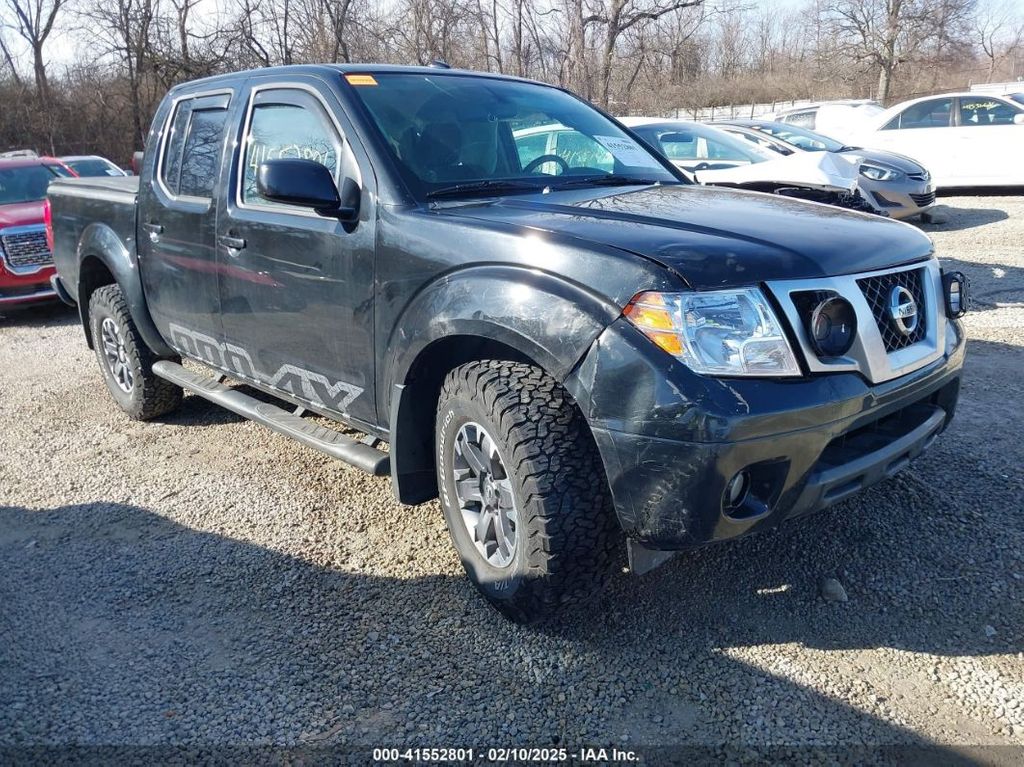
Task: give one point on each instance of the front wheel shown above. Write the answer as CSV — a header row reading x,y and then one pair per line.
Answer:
x,y
523,489
125,360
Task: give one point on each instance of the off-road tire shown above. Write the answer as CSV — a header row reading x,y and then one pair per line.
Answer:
x,y
568,539
150,396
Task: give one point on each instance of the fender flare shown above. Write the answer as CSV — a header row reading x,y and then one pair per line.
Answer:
x,y
540,317
100,241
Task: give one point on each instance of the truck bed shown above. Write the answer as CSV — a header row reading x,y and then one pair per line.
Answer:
x,y
105,206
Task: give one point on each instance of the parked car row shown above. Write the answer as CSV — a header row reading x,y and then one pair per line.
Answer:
x,y
783,159
821,170
886,161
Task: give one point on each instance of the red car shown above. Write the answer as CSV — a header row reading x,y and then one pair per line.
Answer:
x,y
26,263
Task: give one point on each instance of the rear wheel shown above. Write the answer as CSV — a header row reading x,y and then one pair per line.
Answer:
x,y
523,489
125,360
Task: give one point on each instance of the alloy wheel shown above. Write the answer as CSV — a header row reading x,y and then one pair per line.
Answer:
x,y
485,495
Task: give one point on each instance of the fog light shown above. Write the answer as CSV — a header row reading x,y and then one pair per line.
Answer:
x,y
833,327
954,286
736,490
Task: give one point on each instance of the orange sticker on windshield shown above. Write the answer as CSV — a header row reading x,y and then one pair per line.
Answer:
x,y
360,80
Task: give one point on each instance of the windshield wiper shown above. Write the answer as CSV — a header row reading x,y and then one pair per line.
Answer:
x,y
488,187
611,179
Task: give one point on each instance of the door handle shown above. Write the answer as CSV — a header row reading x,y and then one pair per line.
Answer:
x,y
155,230
231,243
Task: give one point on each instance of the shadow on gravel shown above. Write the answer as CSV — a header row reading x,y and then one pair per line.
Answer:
x,y
53,314
122,627
989,191
990,285
959,219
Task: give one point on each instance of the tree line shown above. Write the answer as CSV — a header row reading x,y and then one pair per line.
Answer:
x,y
629,56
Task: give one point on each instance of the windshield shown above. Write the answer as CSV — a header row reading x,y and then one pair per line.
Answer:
x,y
1018,97
689,145
94,167
480,135
26,184
801,138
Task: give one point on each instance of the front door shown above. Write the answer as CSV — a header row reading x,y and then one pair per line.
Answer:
x,y
177,223
296,288
924,132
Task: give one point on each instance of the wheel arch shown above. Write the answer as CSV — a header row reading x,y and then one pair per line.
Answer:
x,y
484,312
103,260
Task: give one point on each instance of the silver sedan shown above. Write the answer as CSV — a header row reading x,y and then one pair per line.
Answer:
x,y
892,183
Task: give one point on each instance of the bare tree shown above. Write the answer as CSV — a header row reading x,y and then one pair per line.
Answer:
x,y
882,33
34,23
999,30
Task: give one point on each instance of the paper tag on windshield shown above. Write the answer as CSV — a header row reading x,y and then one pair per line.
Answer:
x,y
628,152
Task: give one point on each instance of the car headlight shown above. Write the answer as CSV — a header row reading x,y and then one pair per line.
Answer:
x,y
721,332
879,173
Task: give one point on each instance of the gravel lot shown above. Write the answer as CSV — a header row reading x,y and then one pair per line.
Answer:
x,y
205,581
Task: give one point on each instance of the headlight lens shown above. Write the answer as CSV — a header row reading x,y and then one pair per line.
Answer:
x,y
879,173
721,332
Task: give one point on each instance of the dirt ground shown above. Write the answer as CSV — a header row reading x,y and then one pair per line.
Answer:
x,y
201,580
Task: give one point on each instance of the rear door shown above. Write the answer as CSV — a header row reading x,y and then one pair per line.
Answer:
x,y
296,288
992,145
177,220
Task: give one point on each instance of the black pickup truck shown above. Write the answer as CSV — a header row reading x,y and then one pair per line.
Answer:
x,y
574,347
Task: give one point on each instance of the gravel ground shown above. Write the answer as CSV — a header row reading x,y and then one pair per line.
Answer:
x,y
204,581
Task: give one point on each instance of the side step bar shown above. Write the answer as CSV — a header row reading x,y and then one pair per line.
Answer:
x,y
333,443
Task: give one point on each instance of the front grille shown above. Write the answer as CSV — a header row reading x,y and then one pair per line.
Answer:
x,y
26,249
925,176
877,291
923,200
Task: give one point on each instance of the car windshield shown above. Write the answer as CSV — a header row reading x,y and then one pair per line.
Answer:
x,y
453,135
94,167
801,138
27,183
690,145
1018,97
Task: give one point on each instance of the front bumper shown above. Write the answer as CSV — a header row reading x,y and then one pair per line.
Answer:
x,y
901,199
20,289
671,441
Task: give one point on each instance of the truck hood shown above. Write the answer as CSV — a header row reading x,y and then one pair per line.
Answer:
x,y
21,213
716,237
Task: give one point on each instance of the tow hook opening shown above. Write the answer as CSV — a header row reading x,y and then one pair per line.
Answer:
x,y
753,491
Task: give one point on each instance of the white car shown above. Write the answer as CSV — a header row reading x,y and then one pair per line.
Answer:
x,y
964,139
833,118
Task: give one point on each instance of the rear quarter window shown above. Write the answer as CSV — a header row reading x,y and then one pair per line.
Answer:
x,y
191,156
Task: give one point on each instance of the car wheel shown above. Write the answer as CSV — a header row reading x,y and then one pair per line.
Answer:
x,y
523,489
125,360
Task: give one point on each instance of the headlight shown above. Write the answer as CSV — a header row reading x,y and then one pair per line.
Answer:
x,y
721,332
879,173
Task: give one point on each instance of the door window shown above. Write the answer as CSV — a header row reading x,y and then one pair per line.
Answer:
x,y
288,124
530,147
191,156
801,119
934,113
976,111
581,151
199,158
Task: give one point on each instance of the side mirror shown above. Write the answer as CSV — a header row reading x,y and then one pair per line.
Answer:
x,y
1018,119
137,163
308,184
